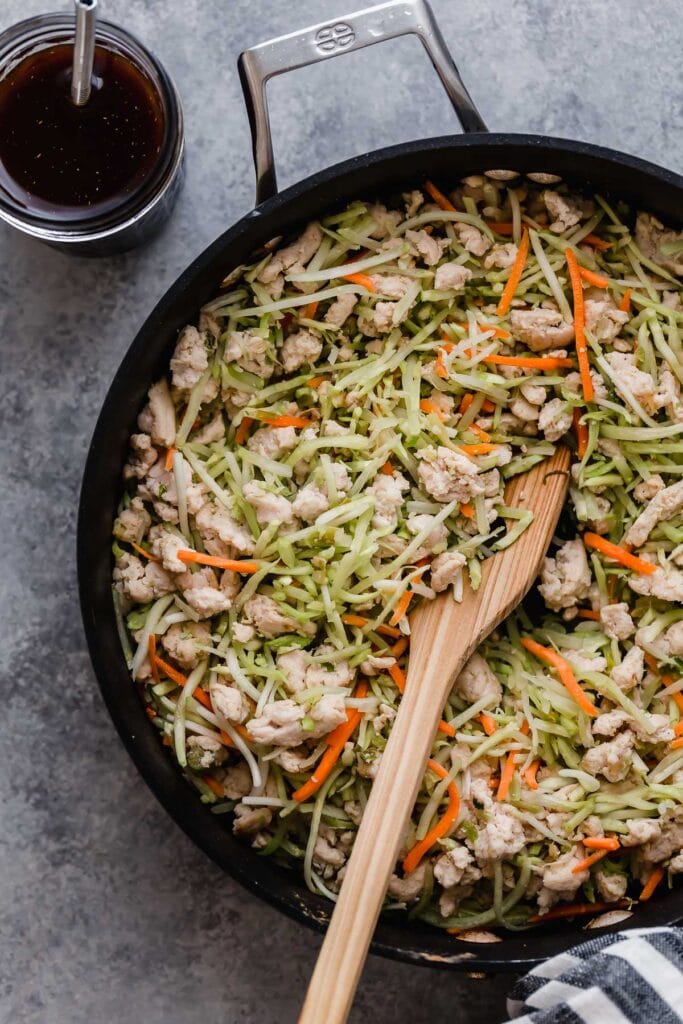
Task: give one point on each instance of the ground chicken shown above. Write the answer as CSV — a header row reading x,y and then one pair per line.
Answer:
x,y
582,663
451,275
229,702
630,672
604,319
674,639
264,613
669,395
664,506
183,640
273,442
269,507
560,881
629,380
248,819
332,673
572,382
436,537
165,546
375,666
302,347
202,592
541,328
142,583
324,854
280,725
472,239
158,417
204,752
213,431
658,729
143,456
221,533
665,583
387,492
133,522
640,830
310,502
651,236
161,488
386,220
386,716
413,201
501,257
476,680
566,578
613,759
669,842
611,887
448,475
408,889
294,256
250,352
456,867
430,249
189,360
237,781
525,411
391,286
566,211
293,665
616,621
340,310
446,569
555,419
501,837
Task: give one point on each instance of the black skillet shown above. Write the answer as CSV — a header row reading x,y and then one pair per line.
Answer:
x,y
371,176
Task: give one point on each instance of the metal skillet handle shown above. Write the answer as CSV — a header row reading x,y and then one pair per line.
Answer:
x,y
329,39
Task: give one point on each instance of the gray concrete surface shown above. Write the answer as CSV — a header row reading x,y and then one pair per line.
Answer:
x,y
109,914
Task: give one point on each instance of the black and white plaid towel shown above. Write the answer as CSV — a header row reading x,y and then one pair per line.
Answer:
x,y
632,978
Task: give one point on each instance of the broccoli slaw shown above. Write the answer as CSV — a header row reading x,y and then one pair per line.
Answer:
x,y
331,445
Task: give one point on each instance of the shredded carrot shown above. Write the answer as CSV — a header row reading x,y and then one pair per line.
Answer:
x,y
315,382
588,613
618,554
601,843
439,367
581,431
360,620
178,678
529,361
588,862
515,274
574,909
335,745
399,677
214,785
401,607
590,277
400,647
166,741
150,712
362,279
242,432
152,644
429,407
467,399
285,421
235,565
479,432
653,665
438,196
597,243
625,304
500,227
564,670
443,825
530,774
467,510
488,723
143,552
506,776
168,461
579,324
387,469
446,728
652,883
311,309
676,744
477,449
678,697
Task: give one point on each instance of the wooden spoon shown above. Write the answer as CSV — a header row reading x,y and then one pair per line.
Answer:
x,y
443,636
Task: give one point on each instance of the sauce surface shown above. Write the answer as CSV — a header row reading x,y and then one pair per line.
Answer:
x,y
66,162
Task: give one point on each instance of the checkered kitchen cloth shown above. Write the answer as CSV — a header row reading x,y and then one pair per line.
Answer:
x,y
632,978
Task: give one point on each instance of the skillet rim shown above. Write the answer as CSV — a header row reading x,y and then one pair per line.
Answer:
x,y
395,938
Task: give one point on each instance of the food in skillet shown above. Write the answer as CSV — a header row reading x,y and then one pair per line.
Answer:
x,y
331,445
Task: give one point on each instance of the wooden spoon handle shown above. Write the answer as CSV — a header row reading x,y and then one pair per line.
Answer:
x,y
340,962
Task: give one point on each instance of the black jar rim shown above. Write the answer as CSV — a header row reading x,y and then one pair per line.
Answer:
x,y
33,34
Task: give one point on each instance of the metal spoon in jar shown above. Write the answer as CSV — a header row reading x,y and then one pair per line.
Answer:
x,y
84,51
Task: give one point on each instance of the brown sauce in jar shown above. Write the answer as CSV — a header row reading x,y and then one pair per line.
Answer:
x,y
65,162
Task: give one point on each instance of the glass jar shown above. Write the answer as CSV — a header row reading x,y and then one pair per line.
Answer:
x,y
138,216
